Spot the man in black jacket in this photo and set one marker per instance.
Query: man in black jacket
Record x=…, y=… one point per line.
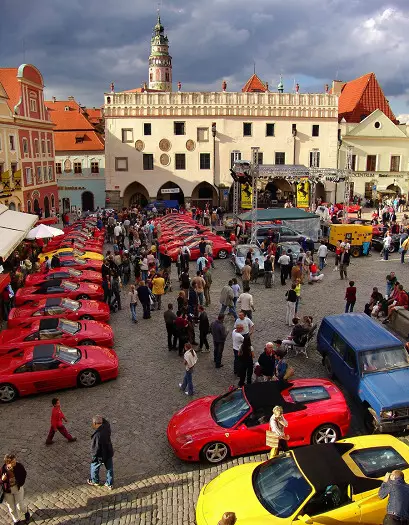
x=102, y=452
x=204, y=328
x=144, y=297
x=266, y=362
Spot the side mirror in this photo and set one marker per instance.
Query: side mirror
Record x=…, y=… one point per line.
x=305, y=519
x=242, y=427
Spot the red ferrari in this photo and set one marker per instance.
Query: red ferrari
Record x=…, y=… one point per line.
x=213, y=428
x=36, y=279
x=59, y=307
x=59, y=288
x=57, y=330
x=221, y=249
x=80, y=264
x=85, y=246
x=49, y=367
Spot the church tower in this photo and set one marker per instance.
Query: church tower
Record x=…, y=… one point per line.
x=160, y=62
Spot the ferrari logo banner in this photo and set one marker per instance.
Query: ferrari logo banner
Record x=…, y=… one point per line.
x=303, y=193
x=246, y=196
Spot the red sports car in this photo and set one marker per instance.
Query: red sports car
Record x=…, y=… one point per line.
x=59, y=307
x=56, y=331
x=183, y=233
x=235, y=423
x=36, y=279
x=59, y=288
x=80, y=264
x=85, y=246
x=49, y=367
x=221, y=249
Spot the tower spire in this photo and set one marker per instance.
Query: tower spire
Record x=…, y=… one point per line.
x=160, y=62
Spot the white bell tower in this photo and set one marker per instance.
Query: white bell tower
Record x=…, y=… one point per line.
x=160, y=62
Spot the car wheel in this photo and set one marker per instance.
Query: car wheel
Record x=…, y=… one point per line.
x=83, y=296
x=369, y=421
x=87, y=317
x=392, y=248
x=87, y=342
x=325, y=434
x=215, y=452
x=328, y=367
x=88, y=378
x=222, y=254
x=8, y=393
x=355, y=251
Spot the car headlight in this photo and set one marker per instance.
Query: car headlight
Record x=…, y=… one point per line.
x=387, y=414
x=185, y=439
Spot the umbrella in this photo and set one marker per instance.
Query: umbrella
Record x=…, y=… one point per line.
x=43, y=231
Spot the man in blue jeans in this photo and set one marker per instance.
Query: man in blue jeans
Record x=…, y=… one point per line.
x=102, y=452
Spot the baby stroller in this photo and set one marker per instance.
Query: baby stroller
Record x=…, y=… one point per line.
x=168, y=283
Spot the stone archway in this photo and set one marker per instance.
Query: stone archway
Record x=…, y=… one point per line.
x=204, y=193
x=171, y=191
x=394, y=187
x=135, y=195
x=87, y=201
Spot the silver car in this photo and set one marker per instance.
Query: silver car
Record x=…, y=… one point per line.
x=239, y=255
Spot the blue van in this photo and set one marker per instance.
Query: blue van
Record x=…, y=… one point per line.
x=371, y=364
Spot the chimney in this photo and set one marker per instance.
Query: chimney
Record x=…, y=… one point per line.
x=337, y=86
x=71, y=98
x=54, y=99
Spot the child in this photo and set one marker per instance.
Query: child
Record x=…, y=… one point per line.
x=57, y=418
x=297, y=290
x=350, y=296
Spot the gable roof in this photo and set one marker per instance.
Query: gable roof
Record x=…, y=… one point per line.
x=362, y=96
x=66, y=141
x=94, y=115
x=8, y=78
x=71, y=119
x=254, y=85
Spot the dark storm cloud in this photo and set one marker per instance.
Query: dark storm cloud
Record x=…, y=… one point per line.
x=82, y=45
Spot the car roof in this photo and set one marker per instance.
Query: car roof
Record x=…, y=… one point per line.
x=248, y=246
x=268, y=395
x=361, y=332
x=54, y=301
x=323, y=465
x=48, y=324
x=50, y=283
x=43, y=352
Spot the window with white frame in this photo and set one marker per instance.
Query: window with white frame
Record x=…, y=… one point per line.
x=45, y=173
x=39, y=174
x=49, y=147
x=33, y=104
x=36, y=148
x=205, y=161
x=43, y=147
x=121, y=163
x=127, y=135
x=29, y=178
x=395, y=163
x=58, y=168
x=203, y=134
x=77, y=167
x=50, y=173
x=95, y=166
x=25, y=146
x=12, y=143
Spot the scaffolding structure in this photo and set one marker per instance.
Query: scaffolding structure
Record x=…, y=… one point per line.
x=236, y=185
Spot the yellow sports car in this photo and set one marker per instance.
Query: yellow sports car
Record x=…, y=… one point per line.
x=328, y=484
x=72, y=252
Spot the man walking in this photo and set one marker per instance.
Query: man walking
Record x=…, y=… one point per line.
x=133, y=301
x=198, y=283
x=204, y=327
x=284, y=262
x=170, y=318
x=207, y=276
x=246, y=304
x=158, y=288
x=237, y=337
x=291, y=302
x=227, y=299
x=102, y=452
x=219, y=335
x=144, y=298
x=245, y=276
x=322, y=254
x=395, y=487
x=344, y=263
x=350, y=297
x=268, y=272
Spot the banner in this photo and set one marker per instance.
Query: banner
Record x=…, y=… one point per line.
x=303, y=193
x=246, y=196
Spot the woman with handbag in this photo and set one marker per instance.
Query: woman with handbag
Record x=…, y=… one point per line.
x=13, y=477
x=245, y=360
x=283, y=372
x=277, y=426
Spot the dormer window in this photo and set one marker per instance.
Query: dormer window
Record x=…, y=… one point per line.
x=66, y=108
x=79, y=139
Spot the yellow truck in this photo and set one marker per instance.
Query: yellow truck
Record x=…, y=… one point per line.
x=358, y=236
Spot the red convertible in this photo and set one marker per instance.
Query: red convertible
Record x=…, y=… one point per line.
x=221, y=249
x=60, y=273
x=59, y=288
x=55, y=331
x=235, y=423
x=59, y=307
x=49, y=367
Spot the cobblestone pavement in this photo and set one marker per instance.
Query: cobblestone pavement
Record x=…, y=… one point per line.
x=151, y=485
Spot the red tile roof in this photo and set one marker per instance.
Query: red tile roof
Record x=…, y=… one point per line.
x=71, y=119
x=363, y=96
x=254, y=85
x=8, y=78
x=65, y=141
x=94, y=115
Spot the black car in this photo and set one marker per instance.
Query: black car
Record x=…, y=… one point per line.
x=377, y=243
x=280, y=233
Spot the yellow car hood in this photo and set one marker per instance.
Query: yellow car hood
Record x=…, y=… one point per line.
x=231, y=491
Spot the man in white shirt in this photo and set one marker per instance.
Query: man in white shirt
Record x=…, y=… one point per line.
x=237, y=336
x=245, y=322
x=322, y=254
x=386, y=245
x=185, y=250
x=117, y=231
x=284, y=262
x=246, y=304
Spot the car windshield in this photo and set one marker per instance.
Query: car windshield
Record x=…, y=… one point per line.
x=228, y=410
x=68, y=285
x=80, y=261
x=78, y=253
x=71, y=327
x=74, y=273
x=67, y=354
x=69, y=304
x=242, y=252
x=383, y=360
x=280, y=486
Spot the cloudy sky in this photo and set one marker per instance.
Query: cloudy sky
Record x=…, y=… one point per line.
x=80, y=46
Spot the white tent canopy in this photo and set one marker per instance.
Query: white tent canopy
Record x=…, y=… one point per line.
x=14, y=226
x=42, y=231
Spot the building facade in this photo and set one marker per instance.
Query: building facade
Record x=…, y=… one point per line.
x=79, y=157
x=11, y=194
x=33, y=143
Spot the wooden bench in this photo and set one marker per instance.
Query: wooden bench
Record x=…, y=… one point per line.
x=400, y=322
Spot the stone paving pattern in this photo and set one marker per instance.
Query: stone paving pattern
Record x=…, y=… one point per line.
x=151, y=485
